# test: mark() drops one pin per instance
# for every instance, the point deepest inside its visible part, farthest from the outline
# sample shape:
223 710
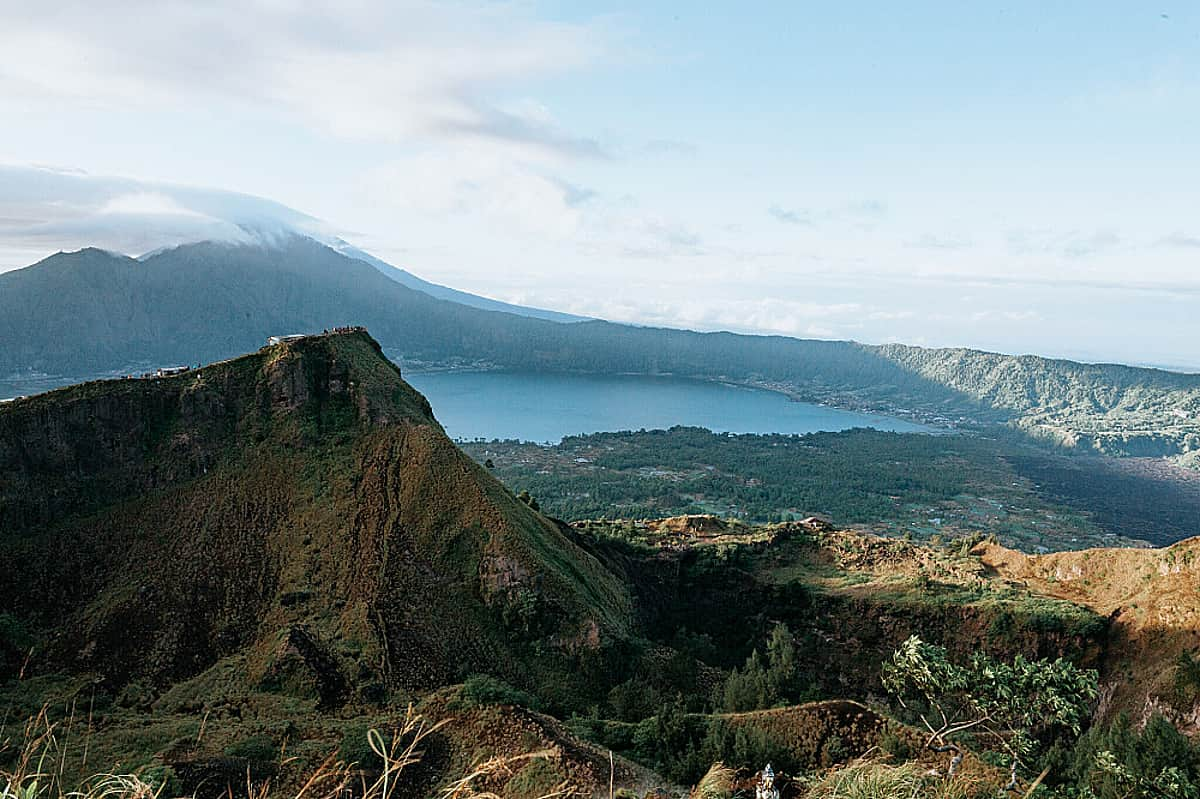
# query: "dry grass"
476 785
717 783
35 772
874 780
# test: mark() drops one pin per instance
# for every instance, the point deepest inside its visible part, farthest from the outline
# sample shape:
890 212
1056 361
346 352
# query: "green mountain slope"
299 505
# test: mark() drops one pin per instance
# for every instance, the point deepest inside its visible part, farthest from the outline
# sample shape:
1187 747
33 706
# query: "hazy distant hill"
407 278
89 311
1114 408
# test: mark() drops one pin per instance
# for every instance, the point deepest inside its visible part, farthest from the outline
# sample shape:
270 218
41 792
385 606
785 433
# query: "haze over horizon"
1018 180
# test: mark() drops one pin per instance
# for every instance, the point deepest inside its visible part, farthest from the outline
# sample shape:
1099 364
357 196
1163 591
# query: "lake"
546 407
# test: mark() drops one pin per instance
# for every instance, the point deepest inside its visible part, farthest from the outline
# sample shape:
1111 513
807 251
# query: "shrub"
892 744
484 689
1013 706
1187 679
14 633
163 779
833 751
355 748
257 747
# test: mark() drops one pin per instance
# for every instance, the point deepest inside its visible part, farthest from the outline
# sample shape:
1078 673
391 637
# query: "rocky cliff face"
1149 597
302 493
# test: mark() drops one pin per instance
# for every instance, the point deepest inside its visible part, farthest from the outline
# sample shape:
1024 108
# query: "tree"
747 688
1006 704
761 684
1187 679
525 497
781 662
1123 762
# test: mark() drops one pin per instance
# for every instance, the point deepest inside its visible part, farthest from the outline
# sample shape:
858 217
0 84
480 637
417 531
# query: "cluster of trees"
764 681
1122 500
856 476
851 476
1029 716
1123 761
681 745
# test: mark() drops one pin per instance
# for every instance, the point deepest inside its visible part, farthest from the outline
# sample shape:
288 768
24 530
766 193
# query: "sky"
1020 177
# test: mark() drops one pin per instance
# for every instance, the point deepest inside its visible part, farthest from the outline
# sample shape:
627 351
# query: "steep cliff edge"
1149 596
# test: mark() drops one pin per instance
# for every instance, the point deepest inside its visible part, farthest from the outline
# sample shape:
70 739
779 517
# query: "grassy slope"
850 599
858 596
174 522
1150 596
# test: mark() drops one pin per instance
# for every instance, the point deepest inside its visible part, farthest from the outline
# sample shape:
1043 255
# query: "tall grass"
873 780
36 772
717 783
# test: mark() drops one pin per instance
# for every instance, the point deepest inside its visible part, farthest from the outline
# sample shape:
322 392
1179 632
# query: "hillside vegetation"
223 580
923 486
1104 407
284 507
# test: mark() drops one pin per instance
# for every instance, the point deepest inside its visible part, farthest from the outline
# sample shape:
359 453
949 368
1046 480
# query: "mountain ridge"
289 541
90 311
288 499
406 278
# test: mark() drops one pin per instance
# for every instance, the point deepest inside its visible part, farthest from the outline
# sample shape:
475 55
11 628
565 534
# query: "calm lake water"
544 408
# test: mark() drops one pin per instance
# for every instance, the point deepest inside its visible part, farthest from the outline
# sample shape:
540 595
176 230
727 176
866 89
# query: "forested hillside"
1108 407
915 485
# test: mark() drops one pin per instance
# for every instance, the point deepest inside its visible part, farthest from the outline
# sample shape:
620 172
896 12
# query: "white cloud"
861 214
43 210
436 94
395 72
478 180
1070 243
147 203
1180 240
443 150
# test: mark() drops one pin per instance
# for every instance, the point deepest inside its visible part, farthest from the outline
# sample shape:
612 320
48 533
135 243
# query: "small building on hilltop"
817 523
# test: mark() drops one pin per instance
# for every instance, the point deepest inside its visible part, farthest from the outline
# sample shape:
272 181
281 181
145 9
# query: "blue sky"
1020 177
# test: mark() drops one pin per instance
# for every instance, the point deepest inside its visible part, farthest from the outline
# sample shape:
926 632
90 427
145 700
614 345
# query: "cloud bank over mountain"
43 210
